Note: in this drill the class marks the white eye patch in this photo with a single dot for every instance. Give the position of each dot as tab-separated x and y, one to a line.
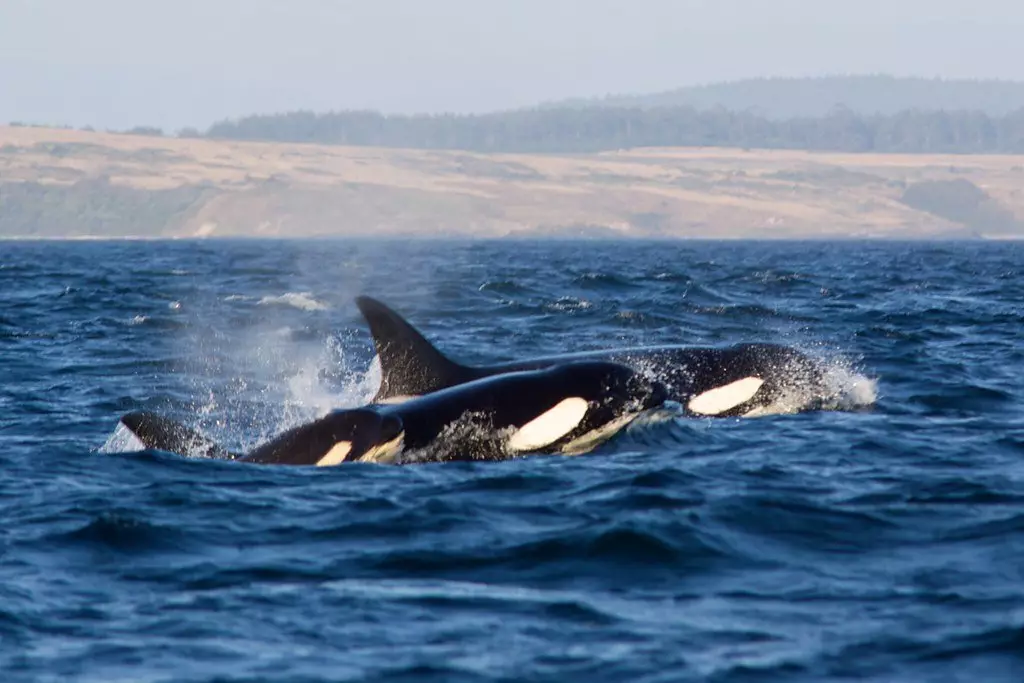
550	425
721	399
336	455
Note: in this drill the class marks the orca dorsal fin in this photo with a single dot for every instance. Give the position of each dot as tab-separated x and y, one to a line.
164	434
409	364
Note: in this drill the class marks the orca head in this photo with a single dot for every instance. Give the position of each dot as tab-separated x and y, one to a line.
758	379
598	399
341	436
163	434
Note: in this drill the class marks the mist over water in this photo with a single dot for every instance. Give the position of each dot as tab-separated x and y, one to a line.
882	540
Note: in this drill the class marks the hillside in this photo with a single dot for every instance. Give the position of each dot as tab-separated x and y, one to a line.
784	98
62	183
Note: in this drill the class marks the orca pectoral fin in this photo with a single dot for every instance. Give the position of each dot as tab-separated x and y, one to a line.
341	436
410	365
163	434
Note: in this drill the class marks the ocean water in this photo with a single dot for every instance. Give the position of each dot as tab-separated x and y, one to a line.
883	541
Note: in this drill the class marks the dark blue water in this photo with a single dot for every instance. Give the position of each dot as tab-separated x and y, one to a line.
884	542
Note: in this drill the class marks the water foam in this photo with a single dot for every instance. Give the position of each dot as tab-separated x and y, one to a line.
839	387
470	437
850	389
302	300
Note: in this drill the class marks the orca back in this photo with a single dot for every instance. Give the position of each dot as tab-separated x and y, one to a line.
412	366
340	436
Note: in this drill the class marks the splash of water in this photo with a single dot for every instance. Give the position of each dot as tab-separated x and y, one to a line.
122	440
307	394
850	389
839	387
271	385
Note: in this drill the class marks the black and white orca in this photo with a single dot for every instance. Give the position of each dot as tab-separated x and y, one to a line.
328	440
740	380
569	408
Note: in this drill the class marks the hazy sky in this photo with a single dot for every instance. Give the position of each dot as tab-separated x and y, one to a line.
172	63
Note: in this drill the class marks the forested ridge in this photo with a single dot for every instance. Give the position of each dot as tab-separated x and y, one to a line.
593	129
882	114
784	98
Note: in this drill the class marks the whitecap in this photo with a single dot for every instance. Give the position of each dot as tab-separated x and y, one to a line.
300	300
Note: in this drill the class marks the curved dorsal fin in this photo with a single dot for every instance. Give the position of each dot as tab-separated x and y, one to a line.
409	364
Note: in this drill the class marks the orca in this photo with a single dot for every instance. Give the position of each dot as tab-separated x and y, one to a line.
569	408
328	440
746	379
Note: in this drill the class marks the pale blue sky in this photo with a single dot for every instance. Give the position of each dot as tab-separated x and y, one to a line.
172	63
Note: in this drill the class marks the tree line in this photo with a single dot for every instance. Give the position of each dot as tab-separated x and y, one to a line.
568	130
782	98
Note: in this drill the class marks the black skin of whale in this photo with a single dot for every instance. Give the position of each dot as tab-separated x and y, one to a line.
303	445
491	404
412	366
516	398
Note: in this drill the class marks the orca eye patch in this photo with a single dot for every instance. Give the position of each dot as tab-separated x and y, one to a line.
720	399
336	455
550	425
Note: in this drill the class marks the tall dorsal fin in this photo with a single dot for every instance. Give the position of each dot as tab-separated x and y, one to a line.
163	434
409	364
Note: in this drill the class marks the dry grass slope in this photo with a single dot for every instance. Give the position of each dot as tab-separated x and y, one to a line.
63	183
